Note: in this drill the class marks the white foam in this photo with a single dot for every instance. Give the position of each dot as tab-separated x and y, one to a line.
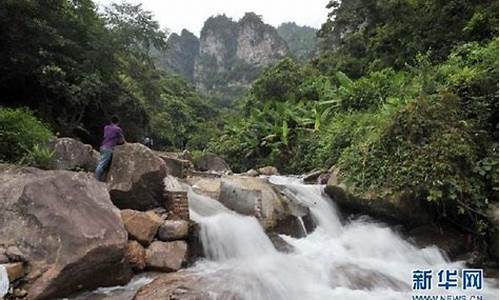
326	264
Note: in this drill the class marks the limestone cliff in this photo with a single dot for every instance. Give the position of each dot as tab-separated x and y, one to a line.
181	53
228	56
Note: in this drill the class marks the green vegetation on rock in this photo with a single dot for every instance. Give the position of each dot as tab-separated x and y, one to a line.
301	40
397	109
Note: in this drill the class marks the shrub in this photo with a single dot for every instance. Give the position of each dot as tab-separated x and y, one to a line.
21	135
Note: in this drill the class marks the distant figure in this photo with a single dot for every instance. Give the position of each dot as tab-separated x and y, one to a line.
148	142
113	135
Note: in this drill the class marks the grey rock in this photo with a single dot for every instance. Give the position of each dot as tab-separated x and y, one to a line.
141	226
66	228
14	254
70	154
212	163
135	177
172	230
268	171
252	173
166	256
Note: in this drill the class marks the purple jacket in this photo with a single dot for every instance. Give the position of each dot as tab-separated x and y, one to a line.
113	135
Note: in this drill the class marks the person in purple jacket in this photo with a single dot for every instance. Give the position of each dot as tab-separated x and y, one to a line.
113	135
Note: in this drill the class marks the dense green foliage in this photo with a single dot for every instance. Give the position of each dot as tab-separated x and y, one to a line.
403	99
363	35
76	67
23	138
182	118
301	40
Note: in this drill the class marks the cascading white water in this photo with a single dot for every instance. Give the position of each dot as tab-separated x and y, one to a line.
4	281
357	260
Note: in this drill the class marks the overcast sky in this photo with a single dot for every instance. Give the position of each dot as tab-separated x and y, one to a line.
191	14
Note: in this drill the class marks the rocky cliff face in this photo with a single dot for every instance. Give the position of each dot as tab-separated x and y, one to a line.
181	53
258	43
301	40
228	56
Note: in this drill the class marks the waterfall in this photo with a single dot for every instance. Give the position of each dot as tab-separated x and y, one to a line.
302	225
359	259
4	281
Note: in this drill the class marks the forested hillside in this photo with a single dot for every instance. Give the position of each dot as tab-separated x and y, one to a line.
403	99
75	67
301	40
228	56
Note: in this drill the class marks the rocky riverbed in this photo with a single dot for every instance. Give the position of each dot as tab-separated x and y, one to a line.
158	226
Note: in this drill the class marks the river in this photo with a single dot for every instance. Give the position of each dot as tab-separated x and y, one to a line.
341	259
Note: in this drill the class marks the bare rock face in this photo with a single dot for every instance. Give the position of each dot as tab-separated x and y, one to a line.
181	53
236	51
141	226
257	197
70	154
136	255
206	186
449	240
258	43
176	166
66	229
15	271
279	243
399	208
135	178
268	171
313	177
179	285
251	173
254	196
186	286
166	257
212	163
172	230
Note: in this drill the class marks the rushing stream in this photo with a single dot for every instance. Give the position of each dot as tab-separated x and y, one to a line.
359	259
355	259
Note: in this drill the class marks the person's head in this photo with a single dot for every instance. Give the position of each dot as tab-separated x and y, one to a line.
114	119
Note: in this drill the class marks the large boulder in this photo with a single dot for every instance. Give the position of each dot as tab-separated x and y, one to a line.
136	255
141	226
166	257
397	208
254	196
135	178
70	154
172	230
208	186
66	227
315	176
454	243
187	286
179	286
14	270
268	171
212	163
175	166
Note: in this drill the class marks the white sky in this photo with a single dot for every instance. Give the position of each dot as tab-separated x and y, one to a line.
191	14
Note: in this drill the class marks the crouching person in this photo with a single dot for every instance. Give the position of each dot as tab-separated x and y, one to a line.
113	135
